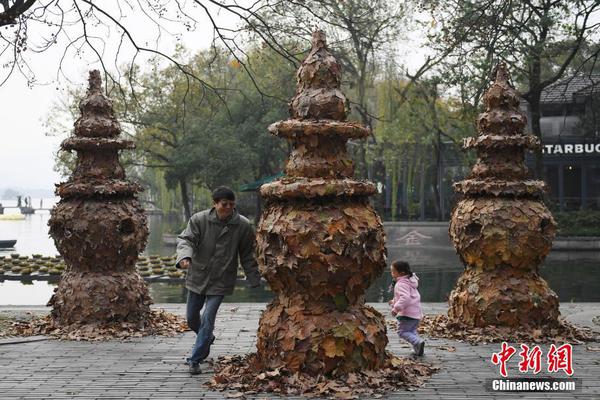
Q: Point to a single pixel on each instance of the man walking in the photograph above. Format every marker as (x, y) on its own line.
(209, 249)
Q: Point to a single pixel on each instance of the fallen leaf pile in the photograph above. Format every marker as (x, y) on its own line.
(159, 323)
(6, 326)
(440, 326)
(241, 376)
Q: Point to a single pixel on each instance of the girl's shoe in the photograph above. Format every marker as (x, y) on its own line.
(415, 349)
(420, 349)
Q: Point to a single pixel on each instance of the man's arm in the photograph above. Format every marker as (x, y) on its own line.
(246, 253)
(186, 242)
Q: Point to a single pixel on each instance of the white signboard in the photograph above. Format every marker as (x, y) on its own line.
(413, 238)
(579, 148)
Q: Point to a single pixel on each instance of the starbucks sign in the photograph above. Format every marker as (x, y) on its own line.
(579, 148)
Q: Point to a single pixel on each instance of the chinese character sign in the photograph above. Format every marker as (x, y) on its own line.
(557, 359)
(530, 359)
(561, 358)
(502, 357)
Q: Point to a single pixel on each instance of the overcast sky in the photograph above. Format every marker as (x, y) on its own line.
(26, 153)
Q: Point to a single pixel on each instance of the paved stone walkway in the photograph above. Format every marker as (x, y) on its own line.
(154, 368)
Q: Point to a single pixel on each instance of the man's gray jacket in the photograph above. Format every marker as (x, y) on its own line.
(213, 247)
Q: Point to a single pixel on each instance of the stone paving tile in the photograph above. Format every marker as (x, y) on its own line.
(153, 367)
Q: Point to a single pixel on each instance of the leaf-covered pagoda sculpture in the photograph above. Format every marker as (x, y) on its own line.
(320, 243)
(501, 228)
(98, 226)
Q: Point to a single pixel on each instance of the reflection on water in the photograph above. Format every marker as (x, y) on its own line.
(575, 276)
(15, 293)
(171, 293)
(32, 233)
(573, 282)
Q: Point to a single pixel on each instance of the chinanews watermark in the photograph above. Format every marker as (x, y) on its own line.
(558, 385)
(558, 361)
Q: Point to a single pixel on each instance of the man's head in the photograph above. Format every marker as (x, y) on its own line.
(224, 201)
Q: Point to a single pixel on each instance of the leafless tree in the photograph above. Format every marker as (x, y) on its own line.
(108, 31)
(358, 33)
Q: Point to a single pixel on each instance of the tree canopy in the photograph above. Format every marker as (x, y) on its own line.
(200, 119)
(540, 40)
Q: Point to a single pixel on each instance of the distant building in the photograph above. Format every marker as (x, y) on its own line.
(570, 125)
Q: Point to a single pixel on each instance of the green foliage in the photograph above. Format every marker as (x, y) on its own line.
(540, 41)
(578, 223)
(194, 135)
(414, 122)
(205, 137)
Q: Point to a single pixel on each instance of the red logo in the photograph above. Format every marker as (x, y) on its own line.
(561, 358)
(530, 359)
(502, 357)
(558, 358)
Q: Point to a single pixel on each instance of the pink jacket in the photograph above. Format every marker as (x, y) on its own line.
(407, 300)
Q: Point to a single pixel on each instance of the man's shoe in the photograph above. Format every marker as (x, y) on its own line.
(194, 368)
(420, 349)
(212, 340)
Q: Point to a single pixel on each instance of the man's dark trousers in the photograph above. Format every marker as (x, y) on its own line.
(203, 324)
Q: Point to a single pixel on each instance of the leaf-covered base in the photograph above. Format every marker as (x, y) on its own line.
(504, 296)
(158, 323)
(328, 342)
(440, 326)
(244, 376)
(91, 298)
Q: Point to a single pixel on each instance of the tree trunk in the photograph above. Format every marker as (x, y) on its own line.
(365, 119)
(534, 97)
(436, 193)
(440, 185)
(185, 199)
(438, 201)
(422, 172)
(534, 103)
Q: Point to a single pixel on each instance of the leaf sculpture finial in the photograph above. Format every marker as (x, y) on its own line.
(318, 81)
(97, 117)
(95, 82)
(502, 74)
(319, 39)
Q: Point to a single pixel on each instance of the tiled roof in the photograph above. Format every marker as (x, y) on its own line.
(566, 89)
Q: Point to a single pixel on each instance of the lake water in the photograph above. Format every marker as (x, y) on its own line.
(575, 276)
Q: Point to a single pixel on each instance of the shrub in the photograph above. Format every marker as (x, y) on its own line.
(578, 223)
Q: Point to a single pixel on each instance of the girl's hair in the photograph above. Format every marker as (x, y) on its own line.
(402, 267)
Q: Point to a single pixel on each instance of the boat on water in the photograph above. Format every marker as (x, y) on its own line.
(7, 244)
(11, 217)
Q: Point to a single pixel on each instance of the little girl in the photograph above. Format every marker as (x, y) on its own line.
(406, 305)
